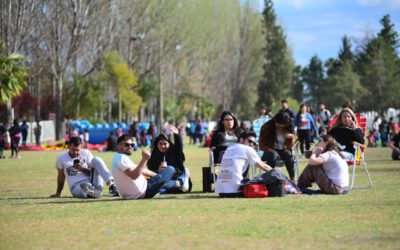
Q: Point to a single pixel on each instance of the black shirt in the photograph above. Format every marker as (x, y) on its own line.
(345, 136)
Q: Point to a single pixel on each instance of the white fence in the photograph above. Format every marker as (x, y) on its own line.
(48, 132)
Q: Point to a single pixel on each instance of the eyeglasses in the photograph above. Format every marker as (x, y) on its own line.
(132, 145)
(252, 142)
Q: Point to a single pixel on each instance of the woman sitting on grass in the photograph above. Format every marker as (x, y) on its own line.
(166, 153)
(327, 168)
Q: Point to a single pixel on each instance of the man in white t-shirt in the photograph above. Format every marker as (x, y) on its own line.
(84, 173)
(326, 167)
(234, 164)
(131, 178)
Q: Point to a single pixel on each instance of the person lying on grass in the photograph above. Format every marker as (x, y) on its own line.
(131, 179)
(235, 164)
(84, 173)
(326, 167)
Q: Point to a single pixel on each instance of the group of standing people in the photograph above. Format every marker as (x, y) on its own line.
(11, 136)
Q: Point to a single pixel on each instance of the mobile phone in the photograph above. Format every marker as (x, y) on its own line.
(76, 161)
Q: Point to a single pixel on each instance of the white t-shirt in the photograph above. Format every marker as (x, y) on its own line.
(336, 168)
(74, 177)
(234, 163)
(127, 187)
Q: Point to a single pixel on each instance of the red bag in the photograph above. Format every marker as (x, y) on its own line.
(255, 190)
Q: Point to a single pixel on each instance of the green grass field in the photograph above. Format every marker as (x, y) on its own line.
(362, 219)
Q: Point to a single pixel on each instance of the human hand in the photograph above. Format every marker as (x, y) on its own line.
(145, 155)
(78, 166)
(352, 125)
(173, 129)
(162, 165)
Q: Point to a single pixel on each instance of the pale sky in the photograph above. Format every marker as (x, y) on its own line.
(315, 27)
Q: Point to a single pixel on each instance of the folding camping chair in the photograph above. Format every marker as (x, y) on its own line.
(209, 173)
(359, 156)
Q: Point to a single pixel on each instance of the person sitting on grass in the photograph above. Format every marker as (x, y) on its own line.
(84, 173)
(131, 179)
(235, 164)
(327, 168)
(167, 153)
(394, 144)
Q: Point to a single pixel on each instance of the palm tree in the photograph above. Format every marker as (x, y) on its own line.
(12, 79)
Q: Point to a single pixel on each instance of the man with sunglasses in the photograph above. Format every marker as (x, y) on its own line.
(235, 163)
(136, 181)
(84, 173)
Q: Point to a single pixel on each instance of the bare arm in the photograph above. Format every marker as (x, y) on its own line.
(138, 171)
(263, 166)
(60, 183)
(148, 173)
(316, 160)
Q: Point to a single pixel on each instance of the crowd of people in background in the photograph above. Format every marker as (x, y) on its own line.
(309, 126)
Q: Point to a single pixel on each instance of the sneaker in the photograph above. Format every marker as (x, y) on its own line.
(89, 191)
(185, 185)
(113, 191)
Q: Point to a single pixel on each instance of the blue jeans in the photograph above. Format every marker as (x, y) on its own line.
(155, 183)
(171, 184)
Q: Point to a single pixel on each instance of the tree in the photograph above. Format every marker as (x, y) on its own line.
(342, 86)
(63, 25)
(378, 64)
(297, 84)
(278, 64)
(12, 79)
(313, 77)
(122, 85)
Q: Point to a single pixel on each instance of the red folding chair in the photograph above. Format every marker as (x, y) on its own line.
(359, 156)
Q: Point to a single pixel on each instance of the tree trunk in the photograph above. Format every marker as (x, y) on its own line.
(59, 108)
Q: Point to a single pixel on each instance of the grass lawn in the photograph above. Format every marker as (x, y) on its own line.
(362, 219)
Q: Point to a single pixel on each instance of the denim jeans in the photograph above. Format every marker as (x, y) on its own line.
(155, 183)
(171, 184)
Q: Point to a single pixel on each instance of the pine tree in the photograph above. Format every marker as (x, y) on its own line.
(313, 77)
(379, 67)
(276, 83)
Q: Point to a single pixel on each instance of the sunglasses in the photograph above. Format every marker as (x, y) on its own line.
(129, 144)
(252, 142)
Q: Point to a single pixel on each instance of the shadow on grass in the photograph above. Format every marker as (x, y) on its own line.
(71, 200)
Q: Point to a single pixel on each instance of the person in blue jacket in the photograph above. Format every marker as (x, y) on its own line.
(305, 125)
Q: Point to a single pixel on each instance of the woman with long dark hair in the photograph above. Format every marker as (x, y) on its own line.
(277, 137)
(224, 135)
(326, 167)
(165, 153)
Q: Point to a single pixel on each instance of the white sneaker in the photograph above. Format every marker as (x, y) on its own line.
(89, 191)
(185, 186)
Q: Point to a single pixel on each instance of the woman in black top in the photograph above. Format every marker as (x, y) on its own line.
(345, 131)
(15, 134)
(225, 134)
(166, 153)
